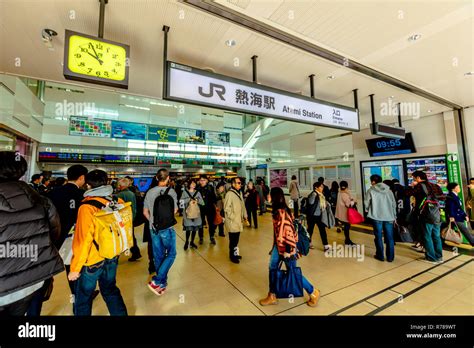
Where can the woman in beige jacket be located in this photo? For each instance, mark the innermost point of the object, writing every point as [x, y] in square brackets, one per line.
[344, 201]
[235, 215]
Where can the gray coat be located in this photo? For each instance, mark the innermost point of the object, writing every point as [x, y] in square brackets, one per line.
[185, 198]
[380, 203]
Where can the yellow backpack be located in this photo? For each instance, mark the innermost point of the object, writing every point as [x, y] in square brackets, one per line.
[115, 228]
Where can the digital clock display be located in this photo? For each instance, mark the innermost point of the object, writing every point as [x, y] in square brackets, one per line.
[389, 146]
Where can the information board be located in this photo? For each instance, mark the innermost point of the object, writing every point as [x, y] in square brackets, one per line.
[129, 130]
[163, 134]
[90, 127]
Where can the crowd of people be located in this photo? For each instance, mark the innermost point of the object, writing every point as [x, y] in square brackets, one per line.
[46, 212]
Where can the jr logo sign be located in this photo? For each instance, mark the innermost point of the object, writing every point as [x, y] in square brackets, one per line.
[219, 89]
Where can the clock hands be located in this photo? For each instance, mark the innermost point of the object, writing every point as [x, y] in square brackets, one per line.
[96, 55]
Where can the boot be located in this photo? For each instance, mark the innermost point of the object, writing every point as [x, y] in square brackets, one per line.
[269, 300]
[313, 298]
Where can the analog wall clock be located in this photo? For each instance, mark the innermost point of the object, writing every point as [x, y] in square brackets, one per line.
[91, 59]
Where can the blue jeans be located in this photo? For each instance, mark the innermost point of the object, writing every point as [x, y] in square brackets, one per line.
[164, 253]
[274, 260]
[384, 228]
[104, 272]
[433, 244]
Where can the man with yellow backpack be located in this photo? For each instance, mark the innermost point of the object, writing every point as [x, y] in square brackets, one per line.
[103, 231]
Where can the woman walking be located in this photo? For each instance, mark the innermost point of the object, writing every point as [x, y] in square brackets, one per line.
[285, 239]
[344, 202]
[455, 213]
[252, 202]
[295, 195]
[192, 220]
[320, 214]
[333, 193]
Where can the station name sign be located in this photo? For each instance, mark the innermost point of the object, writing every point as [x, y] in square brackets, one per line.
[196, 86]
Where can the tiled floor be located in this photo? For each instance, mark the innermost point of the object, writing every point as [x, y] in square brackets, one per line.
[205, 282]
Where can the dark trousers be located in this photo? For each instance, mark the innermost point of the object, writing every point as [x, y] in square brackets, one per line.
[233, 243]
[316, 220]
[252, 212]
[346, 227]
[104, 272]
[18, 308]
[36, 304]
[209, 215]
[221, 229]
[296, 208]
[191, 232]
[134, 250]
[465, 231]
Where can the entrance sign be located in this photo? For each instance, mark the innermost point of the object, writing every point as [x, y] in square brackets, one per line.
[195, 86]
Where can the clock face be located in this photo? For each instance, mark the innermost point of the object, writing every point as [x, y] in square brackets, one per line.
[95, 60]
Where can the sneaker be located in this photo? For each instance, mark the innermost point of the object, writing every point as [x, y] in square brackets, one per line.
[416, 246]
[213, 241]
[186, 244]
[419, 249]
[134, 258]
[156, 289]
[440, 261]
[429, 261]
[192, 245]
[378, 258]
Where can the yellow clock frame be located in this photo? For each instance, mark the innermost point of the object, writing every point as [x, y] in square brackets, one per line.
[95, 60]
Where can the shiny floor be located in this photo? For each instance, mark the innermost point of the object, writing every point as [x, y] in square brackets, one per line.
[205, 282]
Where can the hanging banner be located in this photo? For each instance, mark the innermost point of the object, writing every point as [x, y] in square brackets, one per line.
[454, 172]
[195, 86]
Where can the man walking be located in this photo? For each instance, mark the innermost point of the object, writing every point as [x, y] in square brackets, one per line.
[235, 215]
[427, 196]
[381, 207]
[124, 192]
[160, 207]
[208, 210]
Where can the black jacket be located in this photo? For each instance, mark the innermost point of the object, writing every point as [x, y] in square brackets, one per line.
[26, 218]
[209, 196]
[66, 199]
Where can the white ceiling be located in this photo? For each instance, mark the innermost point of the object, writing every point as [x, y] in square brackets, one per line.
[364, 31]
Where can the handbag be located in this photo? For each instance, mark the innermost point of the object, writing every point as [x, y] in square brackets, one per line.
[218, 217]
[451, 234]
[287, 283]
[404, 234]
[353, 216]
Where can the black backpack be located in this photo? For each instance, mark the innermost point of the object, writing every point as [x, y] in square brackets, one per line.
[306, 208]
[163, 211]
[429, 207]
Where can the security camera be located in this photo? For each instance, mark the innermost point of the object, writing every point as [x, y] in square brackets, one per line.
[47, 37]
[48, 34]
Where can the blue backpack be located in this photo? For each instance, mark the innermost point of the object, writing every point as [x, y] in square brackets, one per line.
[304, 240]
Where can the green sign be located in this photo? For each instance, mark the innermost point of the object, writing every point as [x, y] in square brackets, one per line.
[454, 172]
[454, 175]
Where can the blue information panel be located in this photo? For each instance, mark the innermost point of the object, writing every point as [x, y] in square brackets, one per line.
[129, 130]
[163, 134]
[390, 147]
